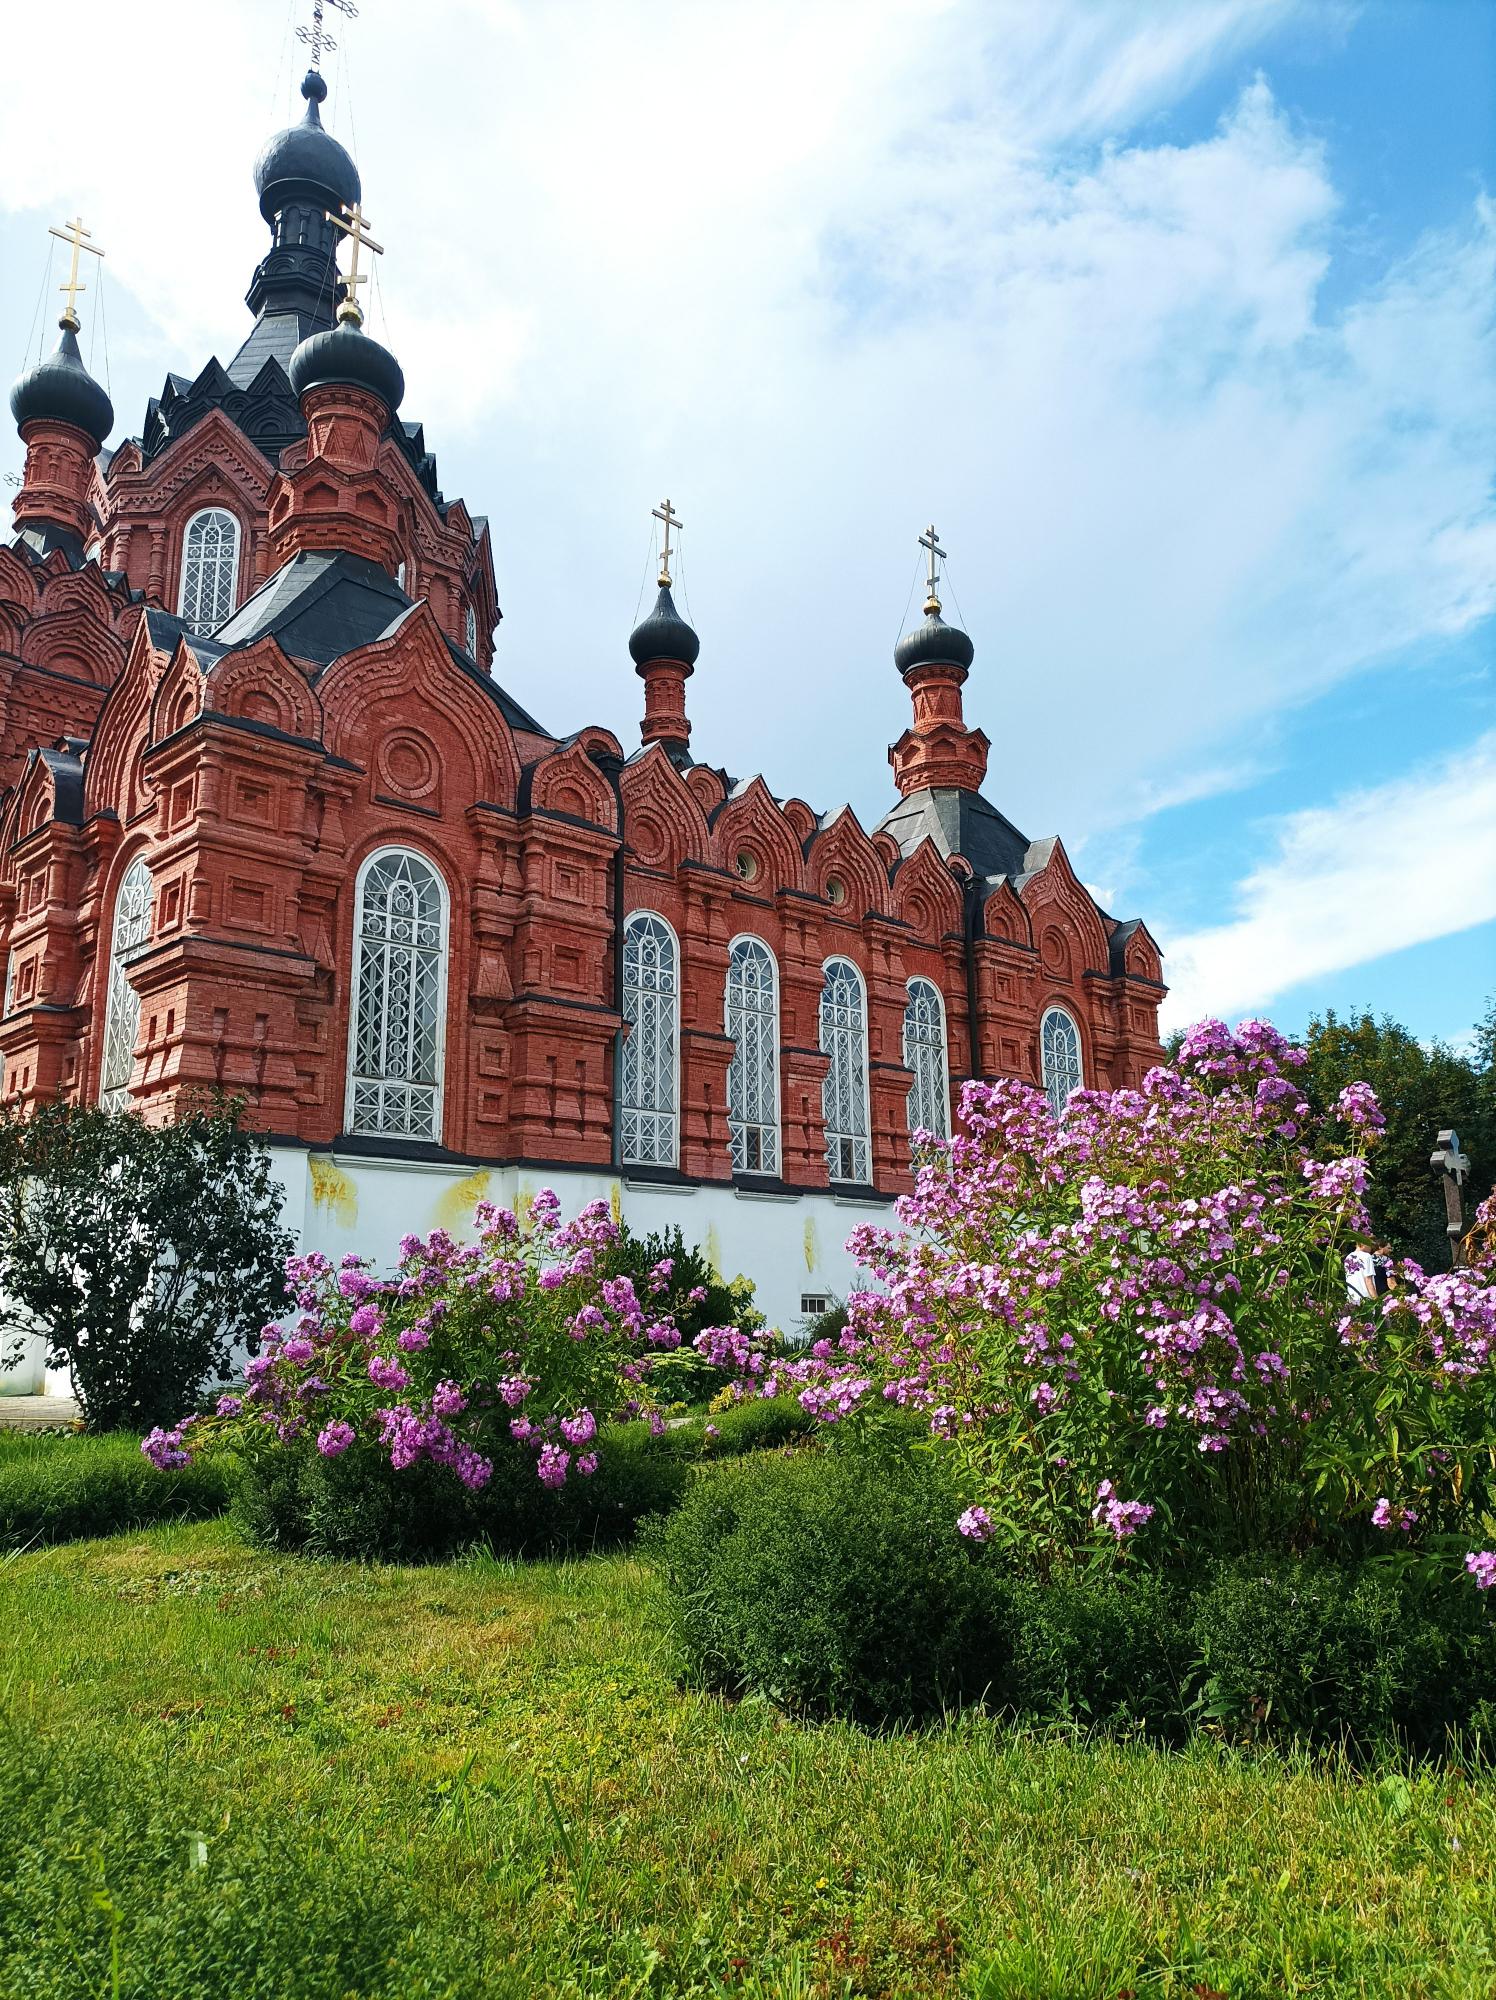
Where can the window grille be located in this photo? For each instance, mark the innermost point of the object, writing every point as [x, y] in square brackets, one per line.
[210, 569]
[814, 1304]
[651, 1007]
[470, 631]
[844, 1093]
[132, 930]
[751, 1021]
[399, 997]
[924, 1053]
[1059, 1057]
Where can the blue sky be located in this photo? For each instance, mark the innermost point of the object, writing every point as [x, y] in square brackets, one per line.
[1176, 318]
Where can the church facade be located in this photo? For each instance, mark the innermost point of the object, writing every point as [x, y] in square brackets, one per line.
[272, 825]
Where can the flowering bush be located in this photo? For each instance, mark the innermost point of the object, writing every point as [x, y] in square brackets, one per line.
[519, 1338]
[1133, 1325]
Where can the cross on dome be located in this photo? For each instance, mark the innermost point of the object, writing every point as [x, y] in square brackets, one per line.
[930, 542]
[354, 225]
[74, 233]
[666, 513]
[315, 37]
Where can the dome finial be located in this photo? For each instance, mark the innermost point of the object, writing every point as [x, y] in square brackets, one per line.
[75, 234]
[316, 40]
[929, 541]
[666, 513]
[355, 226]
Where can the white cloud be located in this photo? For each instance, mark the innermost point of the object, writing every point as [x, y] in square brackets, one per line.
[824, 269]
[1373, 872]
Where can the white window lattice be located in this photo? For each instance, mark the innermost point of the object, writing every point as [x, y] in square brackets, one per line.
[399, 997]
[651, 1007]
[132, 930]
[924, 1053]
[470, 631]
[1059, 1057]
[210, 569]
[751, 1021]
[844, 1093]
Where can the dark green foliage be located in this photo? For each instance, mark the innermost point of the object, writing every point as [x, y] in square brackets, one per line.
[727, 1302]
[834, 1583]
[1313, 1650]
[143, 1254]
[684, 1376]
[1113, 1647]
[109, 1885]
[58, 1489]
[358, 1508]
[1420, 1091]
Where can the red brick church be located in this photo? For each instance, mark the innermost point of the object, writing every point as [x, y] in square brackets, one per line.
[271, 823]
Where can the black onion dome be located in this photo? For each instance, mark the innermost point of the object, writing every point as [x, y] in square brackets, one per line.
[933, 644]
[304, 163]
[664, 634]
[347, 354]
[61, 390]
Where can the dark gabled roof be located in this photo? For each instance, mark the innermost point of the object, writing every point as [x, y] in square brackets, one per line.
[321, 605]
[42, 539]
[273, 337]
[959, 822]
[66, 765]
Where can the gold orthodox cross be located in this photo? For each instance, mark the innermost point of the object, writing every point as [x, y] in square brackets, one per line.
[354, 225]
[73, 232]
[928, 541]
[666, 513]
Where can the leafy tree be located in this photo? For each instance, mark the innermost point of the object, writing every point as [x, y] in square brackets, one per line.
[142, 1254]
[1421, 1089]
[723, 1302]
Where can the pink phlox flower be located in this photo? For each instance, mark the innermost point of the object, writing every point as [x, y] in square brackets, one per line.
[580, 1429]
[976, 1524]
[387, 1374]
[551, 1466]
[1481, 1564]
[334, 1438]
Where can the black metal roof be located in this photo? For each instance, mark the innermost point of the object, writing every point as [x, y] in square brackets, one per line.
[61, 390]
[959, 822]
[321, 605]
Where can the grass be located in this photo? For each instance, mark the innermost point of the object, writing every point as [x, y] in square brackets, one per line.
[55, 1486]
[231, 1774]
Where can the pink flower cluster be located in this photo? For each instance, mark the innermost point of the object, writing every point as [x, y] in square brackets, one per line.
[1147, 1297]
[516, 1335]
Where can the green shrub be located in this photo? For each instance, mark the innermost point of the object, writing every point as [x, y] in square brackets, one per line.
[832, 1582]
[58, 1489]
[357, 1507]
[1321, 1651]
[1110, 1646]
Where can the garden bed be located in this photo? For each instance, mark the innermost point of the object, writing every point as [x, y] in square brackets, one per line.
[263, 1776]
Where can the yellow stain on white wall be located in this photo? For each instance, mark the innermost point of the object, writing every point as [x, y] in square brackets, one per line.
[812, 1252]
[711, 1249]
[454, 1206]
[333, 1190]
[615, 1201]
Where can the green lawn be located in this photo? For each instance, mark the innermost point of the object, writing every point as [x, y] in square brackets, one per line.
[231, 1775]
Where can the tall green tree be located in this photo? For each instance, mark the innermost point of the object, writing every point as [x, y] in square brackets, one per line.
[143, 1255]
[1422, 1089]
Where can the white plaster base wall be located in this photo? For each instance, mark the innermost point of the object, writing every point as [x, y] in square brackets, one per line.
[789, 1245]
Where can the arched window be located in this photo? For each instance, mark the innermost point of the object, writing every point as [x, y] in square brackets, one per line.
[924, 1053]
[399, 997]
[210, 569]
[651, 1007]
[751, 1021]
[1059, 1057]
[132, 928]
[844, 1093]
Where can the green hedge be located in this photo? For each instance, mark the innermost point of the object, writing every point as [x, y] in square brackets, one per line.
[56, 1488]
[835, 1583]
[358, 1508]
